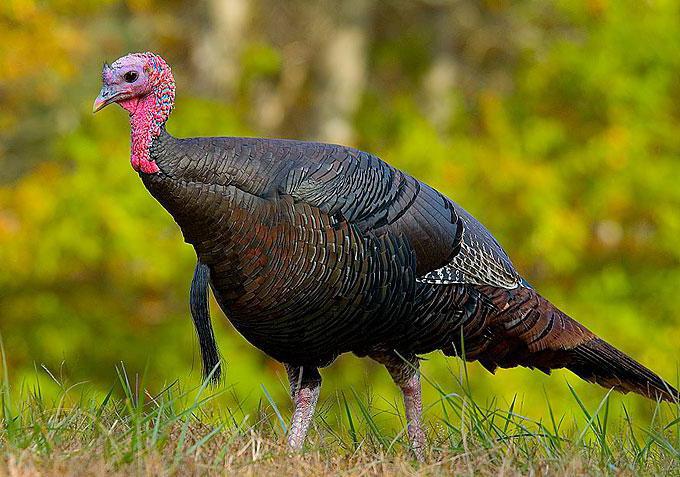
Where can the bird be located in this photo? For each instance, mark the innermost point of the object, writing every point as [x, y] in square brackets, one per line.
[313, 250]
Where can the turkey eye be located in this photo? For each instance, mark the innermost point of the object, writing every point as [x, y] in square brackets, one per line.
[130, 76]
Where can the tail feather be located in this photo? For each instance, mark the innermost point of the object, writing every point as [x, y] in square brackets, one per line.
[599, 362]
[528, 330]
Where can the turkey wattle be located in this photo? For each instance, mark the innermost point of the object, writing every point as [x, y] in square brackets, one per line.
[313, 250]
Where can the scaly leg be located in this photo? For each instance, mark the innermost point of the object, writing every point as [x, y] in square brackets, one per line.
[406, 375]
[305, 384]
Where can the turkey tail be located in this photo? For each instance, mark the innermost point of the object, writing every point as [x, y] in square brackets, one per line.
[200, 313]
[525, 329]
[599, 362]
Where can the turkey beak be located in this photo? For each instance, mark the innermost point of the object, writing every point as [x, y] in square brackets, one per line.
[106, 96]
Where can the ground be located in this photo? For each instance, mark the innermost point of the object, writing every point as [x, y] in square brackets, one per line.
[186, 432]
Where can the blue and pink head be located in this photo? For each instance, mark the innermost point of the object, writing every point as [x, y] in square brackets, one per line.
[132, 78]
[141, 83]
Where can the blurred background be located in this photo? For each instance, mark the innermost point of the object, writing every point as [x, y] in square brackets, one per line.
[556, 123]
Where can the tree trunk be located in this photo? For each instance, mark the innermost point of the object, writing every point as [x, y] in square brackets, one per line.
[343, 70]
[217, 54]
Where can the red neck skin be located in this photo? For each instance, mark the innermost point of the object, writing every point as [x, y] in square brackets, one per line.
[147, 116]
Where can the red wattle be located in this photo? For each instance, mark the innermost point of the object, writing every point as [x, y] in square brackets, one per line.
[146, 119]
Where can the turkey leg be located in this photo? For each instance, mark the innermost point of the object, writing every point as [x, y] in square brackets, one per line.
[406, 375]
[305, 384]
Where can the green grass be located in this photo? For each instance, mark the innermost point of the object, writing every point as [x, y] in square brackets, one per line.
[132, 430]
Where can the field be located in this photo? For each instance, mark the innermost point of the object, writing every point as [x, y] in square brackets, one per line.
[177, 431]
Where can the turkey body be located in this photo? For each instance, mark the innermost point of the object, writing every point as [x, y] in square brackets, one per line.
[316, 250]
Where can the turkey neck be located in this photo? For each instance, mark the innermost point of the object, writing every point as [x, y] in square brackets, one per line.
[143, 129]
[148, 115]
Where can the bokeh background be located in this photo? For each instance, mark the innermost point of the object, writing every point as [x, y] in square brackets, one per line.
[556, 123]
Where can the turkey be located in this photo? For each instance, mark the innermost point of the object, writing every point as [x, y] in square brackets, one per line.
[313, 250]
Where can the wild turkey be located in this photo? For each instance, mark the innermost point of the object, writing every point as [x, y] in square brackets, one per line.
[313, 250]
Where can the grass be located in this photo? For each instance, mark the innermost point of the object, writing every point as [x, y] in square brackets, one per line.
[132, 431]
